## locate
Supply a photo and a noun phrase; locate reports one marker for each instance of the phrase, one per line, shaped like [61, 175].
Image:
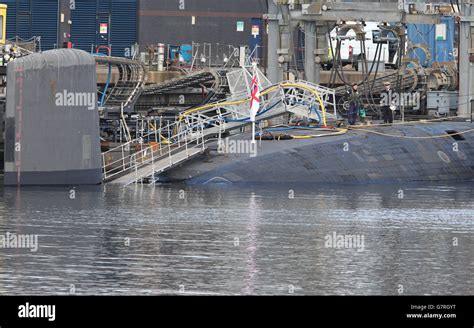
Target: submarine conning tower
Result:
[52, 120]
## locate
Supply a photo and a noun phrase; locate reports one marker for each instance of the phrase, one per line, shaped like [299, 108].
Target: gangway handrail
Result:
[195, 124]
[212, 106]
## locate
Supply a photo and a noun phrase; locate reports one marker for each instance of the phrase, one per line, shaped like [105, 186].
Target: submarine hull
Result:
[406, 153]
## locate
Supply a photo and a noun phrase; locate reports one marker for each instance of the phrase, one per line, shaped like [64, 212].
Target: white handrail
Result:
[191, 127]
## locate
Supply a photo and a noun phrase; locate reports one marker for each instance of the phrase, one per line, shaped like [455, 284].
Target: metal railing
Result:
[154, 156]
[196, 126]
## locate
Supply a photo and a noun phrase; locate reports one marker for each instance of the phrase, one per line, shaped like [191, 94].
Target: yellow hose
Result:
[339, 132]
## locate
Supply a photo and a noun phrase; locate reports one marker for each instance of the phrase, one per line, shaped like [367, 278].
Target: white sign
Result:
[255, 30]
[104, 28]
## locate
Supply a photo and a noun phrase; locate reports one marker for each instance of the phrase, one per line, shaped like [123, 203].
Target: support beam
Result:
[274, 72]
[285, 52]
[322, 49]
[466, 67]
[362, 11]
[310, 46]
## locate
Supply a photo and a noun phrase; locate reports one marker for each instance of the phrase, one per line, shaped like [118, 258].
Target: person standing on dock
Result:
[354, 104]
[386, 98]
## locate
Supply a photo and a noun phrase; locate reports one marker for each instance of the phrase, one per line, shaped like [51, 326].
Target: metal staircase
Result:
[188, 137]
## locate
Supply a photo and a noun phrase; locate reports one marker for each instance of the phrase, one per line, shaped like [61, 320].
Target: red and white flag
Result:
[255, 95]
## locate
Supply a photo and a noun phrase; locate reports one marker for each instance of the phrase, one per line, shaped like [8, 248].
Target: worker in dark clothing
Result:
[386, 103]
[354, 104]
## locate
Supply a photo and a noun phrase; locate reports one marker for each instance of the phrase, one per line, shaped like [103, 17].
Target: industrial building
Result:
[120, 24]
[187, 21]
[34, 18]
[85, 23]
[170, 100]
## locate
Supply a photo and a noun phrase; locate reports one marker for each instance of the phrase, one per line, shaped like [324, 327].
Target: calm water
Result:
[239, 240]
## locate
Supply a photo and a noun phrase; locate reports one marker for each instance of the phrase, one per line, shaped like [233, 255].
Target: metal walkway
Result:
[187, 138]
[158, 165]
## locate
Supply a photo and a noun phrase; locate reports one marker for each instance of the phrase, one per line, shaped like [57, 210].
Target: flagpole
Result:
[253, 132]
[254, 113]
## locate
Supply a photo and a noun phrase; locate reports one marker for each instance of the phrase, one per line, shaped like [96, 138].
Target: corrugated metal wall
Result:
[44, 22]
[29, 18]
[120, 17]
[84, 21]
[11, 18]
[170, 21]
[440, 50]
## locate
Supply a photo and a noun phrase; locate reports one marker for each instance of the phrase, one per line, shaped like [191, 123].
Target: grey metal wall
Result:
[49, 142]
[169, 21]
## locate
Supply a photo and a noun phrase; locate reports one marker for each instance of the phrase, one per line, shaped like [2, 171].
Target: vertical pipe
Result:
[161, 57]
[169, 144]
[322, 50]
[465, 73]
[285, 41]
[309, 47]
[273, 70]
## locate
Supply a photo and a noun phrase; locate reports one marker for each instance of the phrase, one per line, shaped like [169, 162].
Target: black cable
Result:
[376, 60]
[452, 6]
[336, 59]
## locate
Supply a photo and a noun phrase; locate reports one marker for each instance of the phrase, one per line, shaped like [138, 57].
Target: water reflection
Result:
[239, 240]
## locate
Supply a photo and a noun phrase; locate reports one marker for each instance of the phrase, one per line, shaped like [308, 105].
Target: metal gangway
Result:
[188, 137]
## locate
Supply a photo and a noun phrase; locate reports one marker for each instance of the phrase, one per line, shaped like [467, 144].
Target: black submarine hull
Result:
[417, 152]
